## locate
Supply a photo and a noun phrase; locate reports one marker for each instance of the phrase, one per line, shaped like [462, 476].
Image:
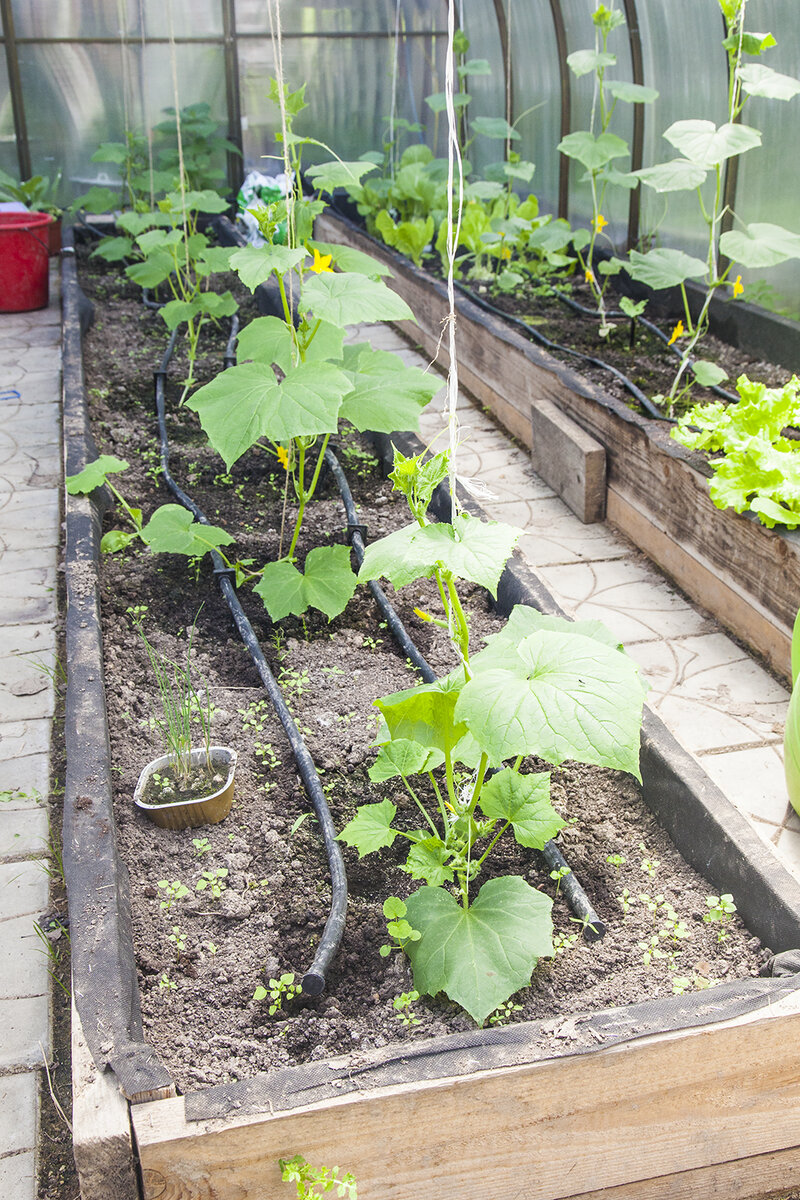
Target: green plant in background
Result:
[182, 707]
[138, 185]
[202, 146]
[721, 911]
[705, 150]
[174, 253]
[597, 148]
[315, 1182]
[541, 687]
[39, 194]
[403, 1006]
[397, 927]
[756, 468]
[320, 380]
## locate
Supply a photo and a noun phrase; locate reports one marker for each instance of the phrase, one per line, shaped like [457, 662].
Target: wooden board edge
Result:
[736, 610]
[101, 1128]
[699, 1094]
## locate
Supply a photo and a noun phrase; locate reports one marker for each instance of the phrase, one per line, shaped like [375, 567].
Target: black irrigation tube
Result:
[593, 927]
[313, 980]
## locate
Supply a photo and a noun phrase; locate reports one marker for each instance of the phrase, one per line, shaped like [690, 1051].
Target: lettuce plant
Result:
[542, 687]
[756, 467]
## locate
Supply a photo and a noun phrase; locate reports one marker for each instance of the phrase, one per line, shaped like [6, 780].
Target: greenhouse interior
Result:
[441, 359]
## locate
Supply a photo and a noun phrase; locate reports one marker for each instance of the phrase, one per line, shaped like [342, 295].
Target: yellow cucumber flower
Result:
[738, 287]
[322, 262]
[589, 275]
[599, 223]
[283, 457]
[677, 332]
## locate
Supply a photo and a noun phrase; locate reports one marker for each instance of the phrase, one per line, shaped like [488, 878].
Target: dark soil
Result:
[199, 958]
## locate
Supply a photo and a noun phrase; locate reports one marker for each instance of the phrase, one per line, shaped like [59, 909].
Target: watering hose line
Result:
[313, 980]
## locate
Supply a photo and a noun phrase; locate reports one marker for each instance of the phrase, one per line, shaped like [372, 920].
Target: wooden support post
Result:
[570, 460]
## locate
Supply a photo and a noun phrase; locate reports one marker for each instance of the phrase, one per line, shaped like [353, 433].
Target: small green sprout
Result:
[559, 874]
[616, 860]
[648, 865]
[280, 990]
[201, 846]
[403, 1010]
[721, 909]
[398, 929]
[297, 1170]
[165, 984]
[503, 1013]
[178, 939]
[213, 881]
[173, 890]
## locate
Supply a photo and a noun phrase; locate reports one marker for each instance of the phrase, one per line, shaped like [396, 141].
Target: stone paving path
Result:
[720, 704]
[30, 473]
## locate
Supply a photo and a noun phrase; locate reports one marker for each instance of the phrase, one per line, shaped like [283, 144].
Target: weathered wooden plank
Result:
[668, 484]
[665, 1105]
[569, 460]
[762, 1177]
[101, 1128]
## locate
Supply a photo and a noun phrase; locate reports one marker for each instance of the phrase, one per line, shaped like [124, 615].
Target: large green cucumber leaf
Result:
[424, 715]
[347, 258]
[338, 174]
[524, 800]
[593, 152]
[702, 142]
[481, 955]
[246, 403]
[678, 175]
[346, 298]
[326, 583]
[758, 80]
[173, 530]
[255, 264]
[403, 757]
[469, 549]
[664, 268]
[760, 245]
[567, 696]
[265, 340]
[95, 474]
[387, 395]
[371, 828]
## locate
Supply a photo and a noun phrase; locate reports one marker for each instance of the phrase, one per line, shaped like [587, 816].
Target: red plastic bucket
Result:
[24, 266]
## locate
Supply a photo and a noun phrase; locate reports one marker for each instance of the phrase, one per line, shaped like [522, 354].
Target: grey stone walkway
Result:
[30, 473]
[720, 704]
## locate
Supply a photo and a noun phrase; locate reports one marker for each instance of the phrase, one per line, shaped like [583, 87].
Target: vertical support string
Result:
[453, 235]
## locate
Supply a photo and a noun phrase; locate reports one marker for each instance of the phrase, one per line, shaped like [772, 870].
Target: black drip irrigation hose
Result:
[645, 322]
[593, 927]
[313, 981]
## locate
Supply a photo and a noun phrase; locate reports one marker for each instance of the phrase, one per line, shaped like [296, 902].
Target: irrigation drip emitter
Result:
[593, 927]
[313, 980]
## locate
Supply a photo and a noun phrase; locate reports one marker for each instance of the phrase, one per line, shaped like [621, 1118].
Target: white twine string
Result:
[394, 87]
[453, 235]
[274, 13]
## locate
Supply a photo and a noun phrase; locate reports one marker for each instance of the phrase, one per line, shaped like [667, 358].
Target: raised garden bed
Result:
[567, 1100]
[657, 492]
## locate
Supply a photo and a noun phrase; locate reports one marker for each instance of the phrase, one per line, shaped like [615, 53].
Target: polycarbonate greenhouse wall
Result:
[75, 73]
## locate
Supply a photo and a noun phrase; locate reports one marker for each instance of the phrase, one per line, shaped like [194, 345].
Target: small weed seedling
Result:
[165, 984]
[559, 874]
[280, 991]
[721, 909]
[314, 1182]
[403, 1009]
[616, 860]
[625, 900]
[172, 891]
[502, 1014]
[178, 939]
[210, 947]
[563, 942]
[648, 865]
[213, 881]
[201, 846]
[397, 927]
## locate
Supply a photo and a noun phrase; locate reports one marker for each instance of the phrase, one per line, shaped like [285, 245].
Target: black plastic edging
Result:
[104, 984]
[711, 834]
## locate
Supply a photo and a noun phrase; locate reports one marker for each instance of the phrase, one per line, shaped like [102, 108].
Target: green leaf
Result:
[428, 859]
[255, 264]
[519, 170]
[424, 714]
[631, 93]
[95, 474]
[387, 395]
[115, 540]
[632, 308]
[679, 175]
[403, 757]
[566, 696]
[701, 142]
[481, 955]
[708, 374]
[524, 800]
[760, 245]
[213, 260]
[758, 80]
[153, 271]
[751, 43]
[470, 549]
[371, 828]
[246, 403]
[438, 101]
[217, 304]
[337, 174]
[175, 311]
[347, 299]
[205, 201]
[664, 268]
[522, 622]
[474, 66]
[113, 249]
[593, 152]
[327, 583]
[494, 127]
[265, 340]
[581, 62]
[173, 530]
